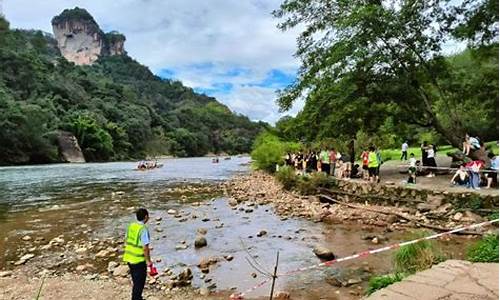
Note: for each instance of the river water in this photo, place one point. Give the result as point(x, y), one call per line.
point(85, 201)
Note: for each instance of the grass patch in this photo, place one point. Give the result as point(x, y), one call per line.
point(485, 250)
point(417, 257)
point(380, 282)
point(408, 260)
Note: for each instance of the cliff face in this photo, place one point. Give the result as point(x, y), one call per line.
point(69, 149)
point(80, 39)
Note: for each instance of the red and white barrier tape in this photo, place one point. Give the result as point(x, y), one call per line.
point(386, 248)
point(362, 255)
point(239, 296)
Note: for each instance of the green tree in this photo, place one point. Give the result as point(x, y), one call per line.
point(361, 57)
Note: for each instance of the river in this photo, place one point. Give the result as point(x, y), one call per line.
point(96, 201)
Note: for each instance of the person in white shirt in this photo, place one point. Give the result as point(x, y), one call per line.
point(404, 151)
point(431, 161)
point(412, 170)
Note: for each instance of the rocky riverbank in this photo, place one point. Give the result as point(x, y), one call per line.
point(259, 188)
point(196, 240)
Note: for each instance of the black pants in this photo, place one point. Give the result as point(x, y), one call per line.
point(139, 272)
point(404, 155)
point(325, 168)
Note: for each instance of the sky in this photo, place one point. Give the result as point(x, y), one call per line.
point(228, 49)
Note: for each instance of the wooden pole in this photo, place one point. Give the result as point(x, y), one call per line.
point(274, 275)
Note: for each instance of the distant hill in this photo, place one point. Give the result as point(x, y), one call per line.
point(116, 107)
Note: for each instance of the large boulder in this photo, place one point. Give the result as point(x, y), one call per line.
point(69, 149)
point(323, 253)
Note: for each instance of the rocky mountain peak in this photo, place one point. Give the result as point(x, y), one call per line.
point(80, 39)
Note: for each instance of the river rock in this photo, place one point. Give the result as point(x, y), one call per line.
point(85, 267)
point(391, 219)
point(261, 233)
point(425, 207)
point(57, 241)
point(204, 291)
point(248, 210)
point(228, 257)
point(26, 238)
point(5, 273)
point(200, 242)
point(332, 280)
point(323, 253)
point(458, 216)
point(353, 281)
point(202, 231)
point(232, 202)
point(158, 219)
point(81, 250)
point(112, 265)
point(171, 212)
point(282, 296)
point(181, 247)
point(472, 217)
point(121, 271)
point(103, 253)
point(185, 275)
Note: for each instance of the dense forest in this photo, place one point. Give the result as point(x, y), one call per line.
point(381, 72)
point(117, 108)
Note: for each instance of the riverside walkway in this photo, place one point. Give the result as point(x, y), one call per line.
point(449, 280)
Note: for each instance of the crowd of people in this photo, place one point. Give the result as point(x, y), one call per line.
point(471, 173)
point(338, 164)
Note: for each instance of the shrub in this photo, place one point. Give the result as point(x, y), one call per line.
point(493, 216)
point(417, 257)
point(286, 175)
point(485, 250)
point(380, 282)
point(268, 152)
point(310, 183)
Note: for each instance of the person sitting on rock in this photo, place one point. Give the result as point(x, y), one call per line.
point(461, 177)
point(493, 170)
point(474, 167)
point(470, 143)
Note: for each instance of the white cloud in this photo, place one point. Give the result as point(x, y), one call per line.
point(180, 34)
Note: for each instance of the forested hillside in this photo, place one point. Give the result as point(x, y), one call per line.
point(115, 107)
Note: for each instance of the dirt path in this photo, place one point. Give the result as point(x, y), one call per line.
point(452, 279)
point(391, 172)
point(77, 287)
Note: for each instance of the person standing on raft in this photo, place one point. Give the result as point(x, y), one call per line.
point(137, 253)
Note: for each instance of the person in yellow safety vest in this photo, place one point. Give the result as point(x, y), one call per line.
point(137, 254)
point(373, 164)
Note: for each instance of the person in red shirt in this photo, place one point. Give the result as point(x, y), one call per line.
point(364, 158)
point(474, 168)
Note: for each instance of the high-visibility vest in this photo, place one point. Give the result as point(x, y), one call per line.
point(134, 251)
point(372, 160)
